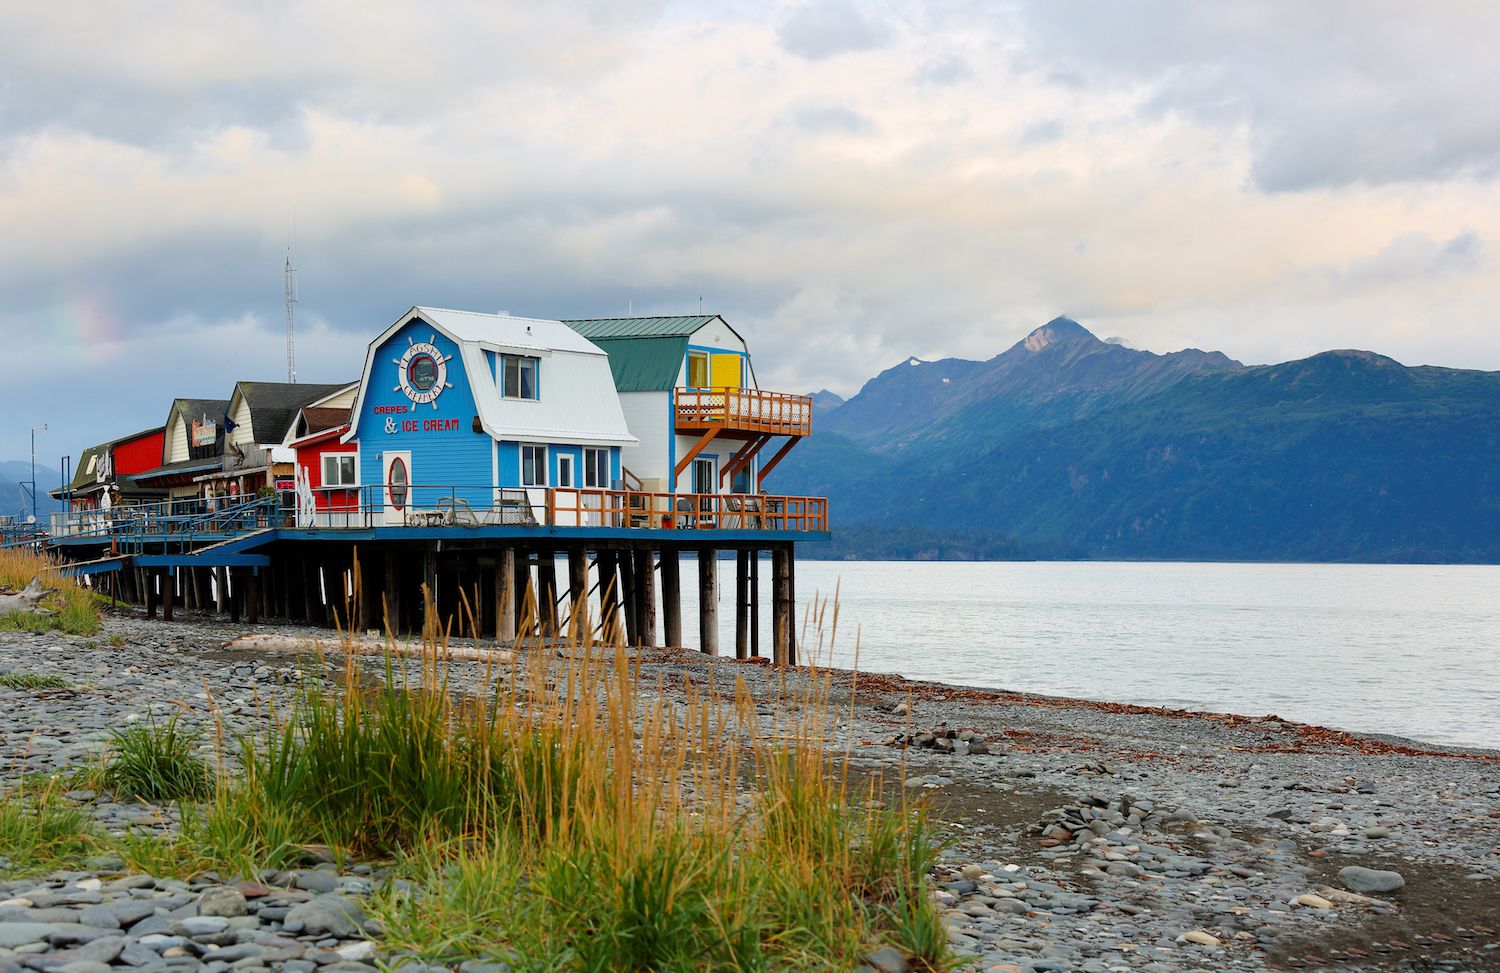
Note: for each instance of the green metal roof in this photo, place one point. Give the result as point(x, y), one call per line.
point(644, 364)
point(675, 326)
point(82, 475)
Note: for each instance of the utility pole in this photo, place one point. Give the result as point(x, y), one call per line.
point(43, 428)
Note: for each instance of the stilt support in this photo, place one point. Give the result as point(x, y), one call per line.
point(671, 598)
point(742, 604)
point(505, 595)
point(708, 601)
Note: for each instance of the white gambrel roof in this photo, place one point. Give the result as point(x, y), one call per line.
point(578, 401)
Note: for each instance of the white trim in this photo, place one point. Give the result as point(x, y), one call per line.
point(572, 471)
point(589, 467)
point(713, 478)
point(323, 470)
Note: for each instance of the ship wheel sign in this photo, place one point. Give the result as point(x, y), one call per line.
point(424, 372)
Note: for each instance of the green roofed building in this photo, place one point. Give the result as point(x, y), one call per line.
point(688, 390)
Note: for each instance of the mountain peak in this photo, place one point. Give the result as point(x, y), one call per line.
point(1060, 328)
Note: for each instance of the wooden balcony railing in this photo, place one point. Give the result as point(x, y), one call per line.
point(744, 410)
point(685, 511)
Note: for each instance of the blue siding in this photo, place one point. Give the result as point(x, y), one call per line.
point(510, 464)
point(445, 450)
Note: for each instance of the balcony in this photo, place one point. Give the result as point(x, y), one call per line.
point(751, 412)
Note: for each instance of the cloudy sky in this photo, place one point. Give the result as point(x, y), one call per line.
point(848, 183)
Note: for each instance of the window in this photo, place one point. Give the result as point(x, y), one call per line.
point(399, 483)
point(565, 469)
point(339, 471)
point(518, 377)
point(698, 369)
point(703, 476)
point(596, 468)
point(533, 465)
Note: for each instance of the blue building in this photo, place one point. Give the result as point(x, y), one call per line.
point(481, 414)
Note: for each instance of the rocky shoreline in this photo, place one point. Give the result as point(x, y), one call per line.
point(1083, 836)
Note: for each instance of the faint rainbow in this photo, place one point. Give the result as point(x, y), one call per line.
point(84, 326)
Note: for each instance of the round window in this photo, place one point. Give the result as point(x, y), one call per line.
point(398, 483)
point(422, 372)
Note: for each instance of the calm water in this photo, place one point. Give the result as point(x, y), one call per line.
point(1412, 650)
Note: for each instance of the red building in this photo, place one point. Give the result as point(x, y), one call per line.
point(332, 467)
point(112, 465)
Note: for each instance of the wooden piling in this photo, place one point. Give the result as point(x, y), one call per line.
point(505, 596)
point(546, 573)
point(708, 601)
point(307, 577)
point(235, 597)
point(628, 596)
point(645, 587)
point(392, 591)
point(755, 604)
point(525, 599)
point(363, 577)
point(252, 596)
point(742, 604)
point(579, 626)
point(151, 584)
point(221, 592)
point(671, 598)
point(609, 595)
point(781, 606)
point(168, 593)
point(791, 598)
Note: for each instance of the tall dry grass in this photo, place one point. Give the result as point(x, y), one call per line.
point(554, 812)
point(69, 606)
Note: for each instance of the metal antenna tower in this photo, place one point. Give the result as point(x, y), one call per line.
point(291, 298)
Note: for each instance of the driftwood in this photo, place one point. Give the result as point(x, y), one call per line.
point(362, 646)
point(26, 601)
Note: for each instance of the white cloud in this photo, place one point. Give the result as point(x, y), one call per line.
point(935, 182)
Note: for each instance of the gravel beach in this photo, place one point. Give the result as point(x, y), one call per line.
point(1082, 836)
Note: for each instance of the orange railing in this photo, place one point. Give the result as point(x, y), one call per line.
point(750, 410)
point(685, 511)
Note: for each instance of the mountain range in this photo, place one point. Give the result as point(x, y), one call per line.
point(14, 500)
point(1068, 446)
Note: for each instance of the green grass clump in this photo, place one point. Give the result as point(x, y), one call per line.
point(554, 820)
point(32, 680)
point(40, 831)
point(158, 763)
point(550, 816)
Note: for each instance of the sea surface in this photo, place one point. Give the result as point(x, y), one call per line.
point(1410, 650)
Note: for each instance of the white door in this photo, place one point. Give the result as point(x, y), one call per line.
point(396, 467)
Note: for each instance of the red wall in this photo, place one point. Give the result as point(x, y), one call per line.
point(310, 457)
point(140, 454)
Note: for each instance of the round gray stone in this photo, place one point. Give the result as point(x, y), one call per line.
point(1365, 880)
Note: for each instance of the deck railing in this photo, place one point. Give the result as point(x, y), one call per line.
point(189, 522)
point(746, 410)
point(685, 511)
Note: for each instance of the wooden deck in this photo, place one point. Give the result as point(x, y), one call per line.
point(745, 411)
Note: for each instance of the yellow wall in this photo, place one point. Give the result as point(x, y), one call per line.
point(724, 371)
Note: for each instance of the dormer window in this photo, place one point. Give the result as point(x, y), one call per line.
point(518, 377)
